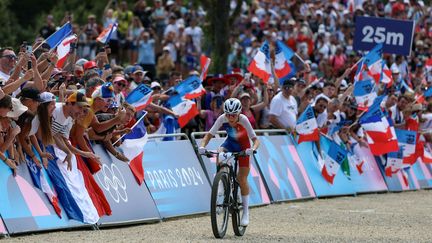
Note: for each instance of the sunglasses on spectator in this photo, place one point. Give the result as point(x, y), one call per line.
point(10, 57)
point(121, 84)
point(287, 87)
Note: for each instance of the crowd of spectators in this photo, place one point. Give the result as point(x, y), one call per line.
point(159, 44)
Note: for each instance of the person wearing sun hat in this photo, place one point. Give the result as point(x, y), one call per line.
point(219, 84)
point(102, 98)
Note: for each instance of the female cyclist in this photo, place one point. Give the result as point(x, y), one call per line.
point(239, 132)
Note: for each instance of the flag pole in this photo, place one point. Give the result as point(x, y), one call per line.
point(136, 123)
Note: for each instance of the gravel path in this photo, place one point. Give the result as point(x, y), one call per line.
point(390, 217)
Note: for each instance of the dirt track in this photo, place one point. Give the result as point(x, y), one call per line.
point(390, 217)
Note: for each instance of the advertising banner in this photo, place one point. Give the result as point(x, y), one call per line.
point(423, 173)
point(258, 193)
point(283, 169)
point(403, 180)
point(3, 230)
point(308, 153)
point(395, 35)
point(365, 173)
point(129, 201)
point(175, 178)
point(23, 207)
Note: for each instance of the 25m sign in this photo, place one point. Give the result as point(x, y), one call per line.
point(396, 35)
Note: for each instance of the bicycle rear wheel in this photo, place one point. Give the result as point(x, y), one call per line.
point(219, 204)
point(237, 211)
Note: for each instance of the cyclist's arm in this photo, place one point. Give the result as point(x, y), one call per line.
point(218, 123)
point(256, 143)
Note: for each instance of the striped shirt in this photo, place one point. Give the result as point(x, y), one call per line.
point(60, 123)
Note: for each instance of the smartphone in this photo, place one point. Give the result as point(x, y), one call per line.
point(23, 46)
point(29, 50)
point(72, 47)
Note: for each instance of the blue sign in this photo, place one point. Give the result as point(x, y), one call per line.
point(25, 208)
point(283, 169)
point(308, 153)
point(123, 193)
point(175, 178)
point(403, 180)
point(396, 35)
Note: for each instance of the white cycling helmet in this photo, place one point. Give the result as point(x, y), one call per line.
point(232, 106)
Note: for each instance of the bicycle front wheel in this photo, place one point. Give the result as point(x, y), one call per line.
point(237, 211)
point(220, 204)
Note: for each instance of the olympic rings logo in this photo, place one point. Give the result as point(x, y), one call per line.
point(113, 182)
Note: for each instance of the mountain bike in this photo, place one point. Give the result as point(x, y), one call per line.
point(225, 195)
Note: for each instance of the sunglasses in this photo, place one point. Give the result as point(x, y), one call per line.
point(121, 84)
point(231, 115)
point(10, 57)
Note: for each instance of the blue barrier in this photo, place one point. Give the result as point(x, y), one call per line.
point(258, 192)
point(282, 169)
point(396, 182)
point(341, 185)
point(175, 178)
point(3, 230)
point(423, 173)
point(25, 208)
point(371, 180)
point(129, 201)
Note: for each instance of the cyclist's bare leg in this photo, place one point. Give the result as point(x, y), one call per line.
point(244, 187)
point(242, 179)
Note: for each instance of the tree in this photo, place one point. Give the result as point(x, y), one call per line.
point(220, 21)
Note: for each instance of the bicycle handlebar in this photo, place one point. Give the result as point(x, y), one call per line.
point(209, 154)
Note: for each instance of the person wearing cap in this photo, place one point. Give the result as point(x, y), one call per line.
point(138, 74)
point(284, 108)
point(63, 119)
point(41, 128)
point(102, 97)
point(120, 84)
point(89, 65)
point(30, 97)
point(165, 63)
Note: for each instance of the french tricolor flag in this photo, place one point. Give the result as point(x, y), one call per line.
point(260, 64)
point(186, 109)
point(205, 63)
point(386, 76)
point(394, 163)
point(284, 68)
point(132, 148)
point(190, 88)
point(407, 143)
point(373, 60)
point(381, 136)
point(307, 126)
point(365, 93)
point(63, 50)
point(106, 34)
point(140, 97)
point(39, 177)
point(371, 65)
point(332, 162)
